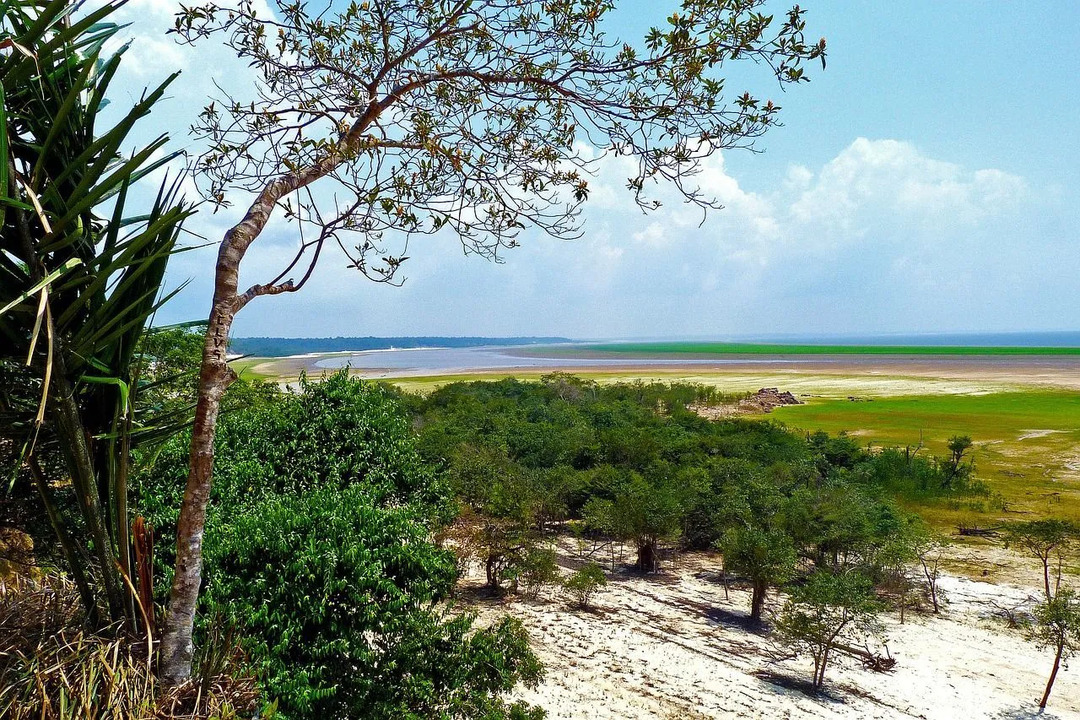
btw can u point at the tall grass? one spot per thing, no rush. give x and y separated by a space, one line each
51 668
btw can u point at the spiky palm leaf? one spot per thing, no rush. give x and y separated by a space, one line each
78 288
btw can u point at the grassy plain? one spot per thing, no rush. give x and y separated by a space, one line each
1026 443
720 348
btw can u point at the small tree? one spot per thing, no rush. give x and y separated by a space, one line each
1057 627
955 466
826 611
1047 540
930 550
585 583
538 570
643 512
500 496
766 557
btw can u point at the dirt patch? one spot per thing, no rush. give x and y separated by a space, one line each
1030 434
763 401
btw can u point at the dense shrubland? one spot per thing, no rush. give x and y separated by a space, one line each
820 516
320 552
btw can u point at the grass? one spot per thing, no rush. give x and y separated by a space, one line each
719 348
1026 443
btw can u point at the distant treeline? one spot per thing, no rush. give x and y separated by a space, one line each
279 347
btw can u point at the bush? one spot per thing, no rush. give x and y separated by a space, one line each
320 551
538 571
585 583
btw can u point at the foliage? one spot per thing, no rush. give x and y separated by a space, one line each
827 610
1057 627
319 550
583 585
339 600
333 433
538 571
636 464
77 289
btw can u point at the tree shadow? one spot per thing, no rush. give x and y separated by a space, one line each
802 685
1024 713
737 620
482 595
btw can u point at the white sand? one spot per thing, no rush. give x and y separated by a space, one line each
671 647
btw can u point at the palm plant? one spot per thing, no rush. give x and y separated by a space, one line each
77 289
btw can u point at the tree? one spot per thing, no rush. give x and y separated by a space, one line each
389 117
754 543
585 583
645 512
955 467
1057 627
501 499
1048 540
77 289
765 556
930 550
826 611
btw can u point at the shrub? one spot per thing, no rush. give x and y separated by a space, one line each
320 551
339 601
538 571
585 583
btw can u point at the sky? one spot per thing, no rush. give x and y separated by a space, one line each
926 182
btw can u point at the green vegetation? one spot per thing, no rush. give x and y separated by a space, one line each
319 553
1024 444
720 348
629 462
583 585
824 613
81 274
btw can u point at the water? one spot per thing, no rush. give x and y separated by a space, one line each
447 361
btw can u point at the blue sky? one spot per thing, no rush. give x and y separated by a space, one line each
927 181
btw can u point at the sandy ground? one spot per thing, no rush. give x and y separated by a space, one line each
672 647
840 375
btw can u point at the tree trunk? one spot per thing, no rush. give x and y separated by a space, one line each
1053 676
646 558
214 378
757 601
1046 577
819 682
72 437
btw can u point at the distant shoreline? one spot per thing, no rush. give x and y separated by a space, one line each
704 350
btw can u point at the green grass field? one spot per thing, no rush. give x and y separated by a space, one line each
1026 443
718 348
